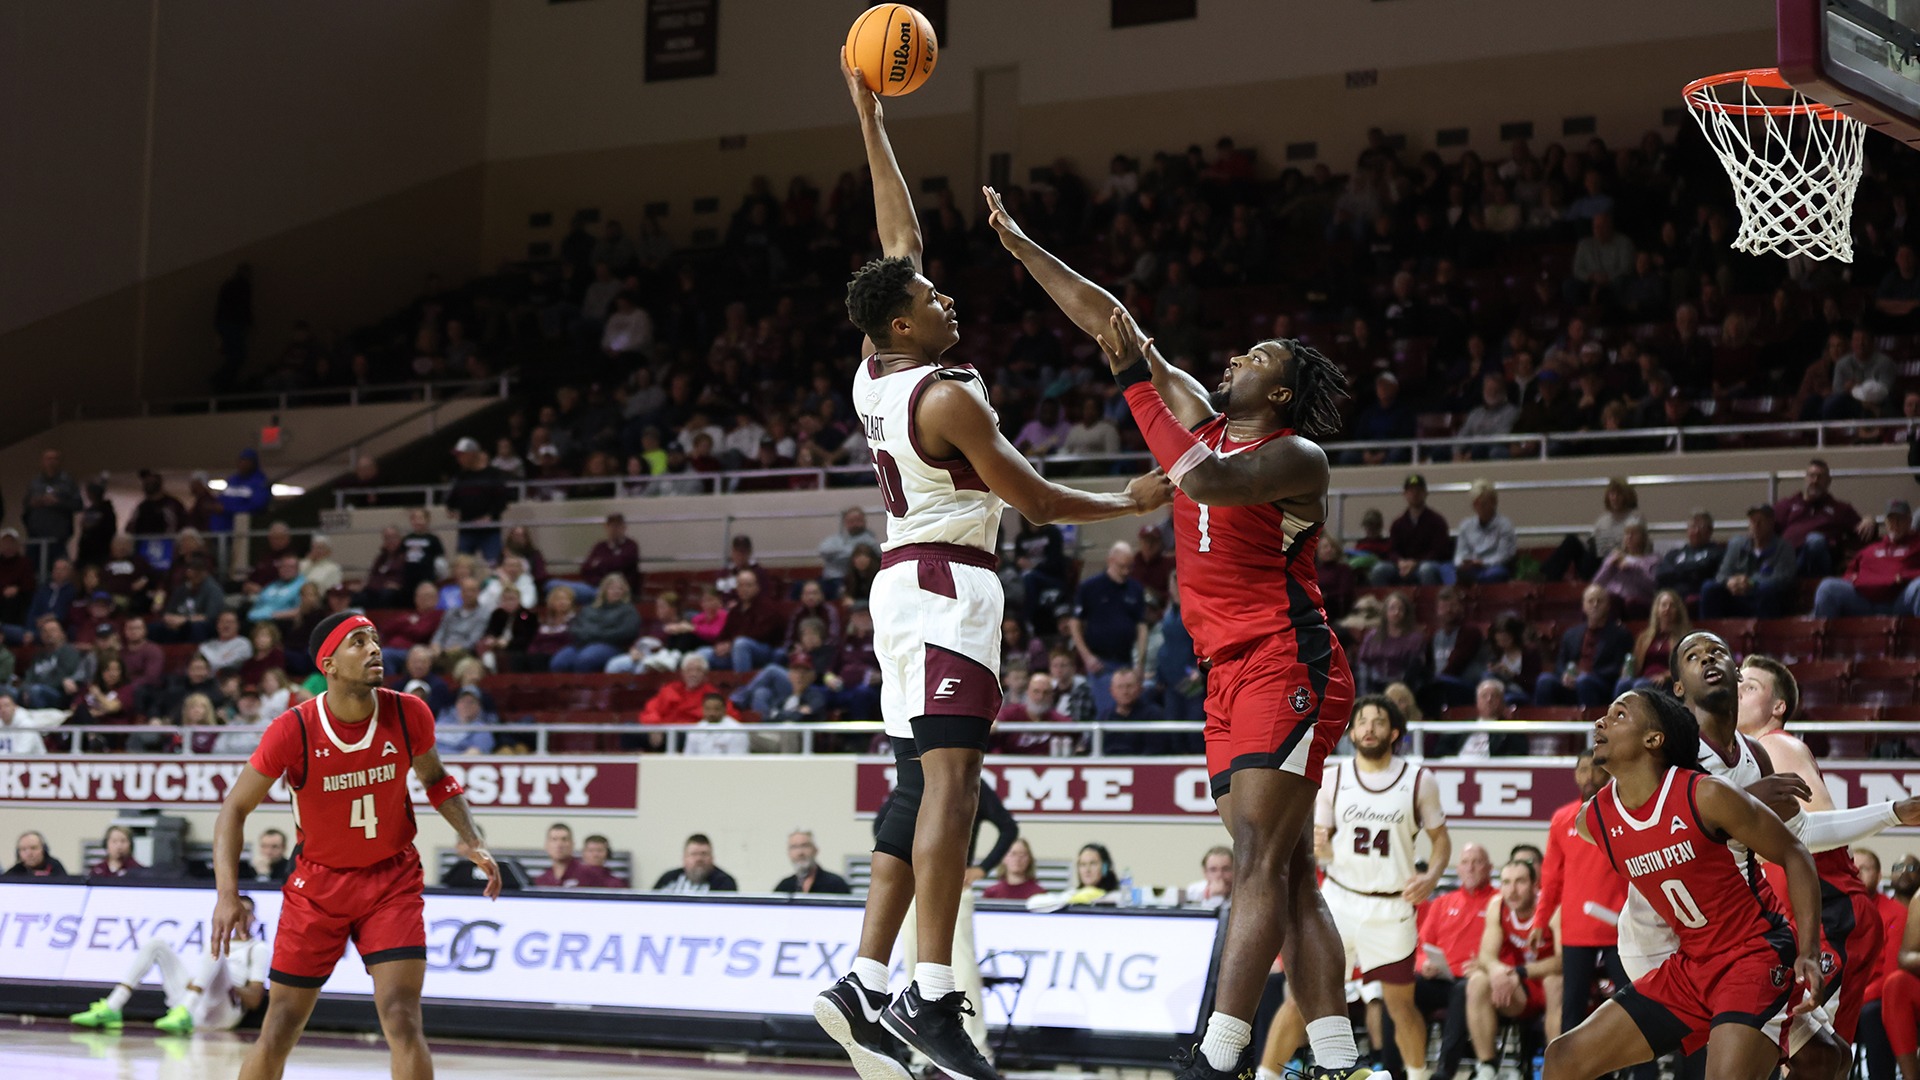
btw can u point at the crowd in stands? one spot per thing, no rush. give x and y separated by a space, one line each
1454 619
1574 288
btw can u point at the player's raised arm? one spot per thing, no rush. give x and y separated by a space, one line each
951 416
893 212
445 793
1738 815
229 835
1090 306
1273 471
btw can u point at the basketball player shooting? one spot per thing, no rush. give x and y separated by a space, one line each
357 877
1739 970
945 473
1250 505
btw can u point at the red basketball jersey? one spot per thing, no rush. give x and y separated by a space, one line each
349 781
1688 877
1513 937
1246 572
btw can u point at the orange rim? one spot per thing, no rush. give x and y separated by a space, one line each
1698 97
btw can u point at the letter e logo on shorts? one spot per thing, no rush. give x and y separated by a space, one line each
947 688
1300 699
1780 976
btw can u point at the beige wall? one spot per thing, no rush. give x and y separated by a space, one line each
747 805
776 61
1417 100
336 146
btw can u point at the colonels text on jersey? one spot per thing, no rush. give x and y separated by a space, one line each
1246 572
349 781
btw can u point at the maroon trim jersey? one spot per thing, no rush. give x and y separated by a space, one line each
1687 875
1246 572
351 805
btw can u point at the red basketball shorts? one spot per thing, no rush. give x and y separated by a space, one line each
1860 957
1266 709
378 908
1677 1004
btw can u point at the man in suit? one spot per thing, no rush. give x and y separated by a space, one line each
1590 656
1756 577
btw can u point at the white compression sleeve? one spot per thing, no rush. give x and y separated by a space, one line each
1824 830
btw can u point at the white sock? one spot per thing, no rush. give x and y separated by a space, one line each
1422 1073
191 999
1332 1040
1226 1037
1265 1073
935 980
872 974
119 998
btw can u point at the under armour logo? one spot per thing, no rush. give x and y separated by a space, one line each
1676 825
322 752
946 688
388 749
299 883
1617 831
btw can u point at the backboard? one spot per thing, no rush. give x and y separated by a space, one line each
1860 56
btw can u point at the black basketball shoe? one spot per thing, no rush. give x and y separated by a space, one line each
1191 1064
934 1028
850 1013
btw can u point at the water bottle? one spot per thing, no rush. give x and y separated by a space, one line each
1129 896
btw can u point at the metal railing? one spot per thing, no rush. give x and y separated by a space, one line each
282 400
1088 739
1675 440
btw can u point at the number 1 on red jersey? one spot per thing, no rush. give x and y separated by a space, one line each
1206 538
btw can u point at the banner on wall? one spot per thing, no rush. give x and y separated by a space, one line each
682 38
529 785
1512 791
1135 971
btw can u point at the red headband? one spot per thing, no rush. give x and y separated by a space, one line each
339 635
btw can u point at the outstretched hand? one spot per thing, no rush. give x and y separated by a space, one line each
865 101
1002 222
1150 491
1124 343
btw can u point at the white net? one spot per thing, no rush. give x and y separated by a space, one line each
1794 163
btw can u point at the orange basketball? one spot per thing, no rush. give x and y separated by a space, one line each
894 48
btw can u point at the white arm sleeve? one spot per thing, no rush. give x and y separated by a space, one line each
1323 802
1426 801
1824 830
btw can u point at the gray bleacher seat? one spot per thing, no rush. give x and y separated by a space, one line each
1055 875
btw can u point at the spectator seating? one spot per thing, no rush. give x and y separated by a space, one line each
533 860
1056 875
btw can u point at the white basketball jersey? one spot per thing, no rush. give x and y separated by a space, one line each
929 500
1374 828
1644 935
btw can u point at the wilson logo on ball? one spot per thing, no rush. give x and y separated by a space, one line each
902 53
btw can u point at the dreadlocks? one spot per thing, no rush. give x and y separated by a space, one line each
1319 385
876 294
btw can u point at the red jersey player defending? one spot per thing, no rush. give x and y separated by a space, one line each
1250 502
1741 970
345 756
1769 694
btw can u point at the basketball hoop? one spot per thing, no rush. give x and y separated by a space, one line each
1794 162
